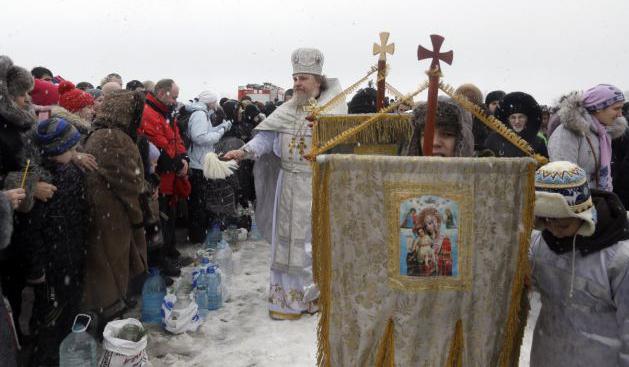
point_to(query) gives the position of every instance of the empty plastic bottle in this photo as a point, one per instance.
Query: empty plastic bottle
(213, 237)
(78, 349)
(254, 233)
(214, 289)
(223, 258)
(153, 293)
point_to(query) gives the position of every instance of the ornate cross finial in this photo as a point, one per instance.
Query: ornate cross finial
(383, 49)
(312, 108)
(436, 55)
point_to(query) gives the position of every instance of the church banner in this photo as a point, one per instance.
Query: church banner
(421, 261)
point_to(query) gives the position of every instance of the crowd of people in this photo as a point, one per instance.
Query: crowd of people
(95, 179)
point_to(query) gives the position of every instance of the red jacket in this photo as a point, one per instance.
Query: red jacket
(160, 127)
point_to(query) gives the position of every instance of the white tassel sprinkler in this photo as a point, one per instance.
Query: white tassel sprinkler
(215, 169)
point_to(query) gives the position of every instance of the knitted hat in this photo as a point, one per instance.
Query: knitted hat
(44, 93)
(562, 191)
(19, 81)
(73, 99)
(602, 96)
(56, 136)
(95, 93)
(307, 61)
(496, 95)
(207, 97)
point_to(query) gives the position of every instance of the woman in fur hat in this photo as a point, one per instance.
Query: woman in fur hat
(520, 112)
(579, 258)
(589, 121)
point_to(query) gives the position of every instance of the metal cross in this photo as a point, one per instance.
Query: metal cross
(436, 55)
(312, 108)
(383, 49)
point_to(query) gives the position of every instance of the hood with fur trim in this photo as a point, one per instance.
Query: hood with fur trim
(121, 109)
(573, 115)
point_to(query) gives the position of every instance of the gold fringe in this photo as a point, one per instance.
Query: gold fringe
(345, 135)
(492, 122)
(322, 257)
(455, 356)
(386, 353)
(392, 129)
(517, 316)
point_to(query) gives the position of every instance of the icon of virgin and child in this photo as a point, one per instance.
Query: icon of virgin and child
(429, 248)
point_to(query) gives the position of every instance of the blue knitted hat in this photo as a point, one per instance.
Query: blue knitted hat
(56, 136)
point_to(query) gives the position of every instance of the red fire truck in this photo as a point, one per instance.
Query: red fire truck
(266, 92)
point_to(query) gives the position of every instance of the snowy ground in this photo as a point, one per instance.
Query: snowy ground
(241, 334)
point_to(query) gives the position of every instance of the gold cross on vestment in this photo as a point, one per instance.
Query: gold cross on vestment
(383, 49)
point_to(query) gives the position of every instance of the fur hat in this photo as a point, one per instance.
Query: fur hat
(253, 115)
(19, 81)
(471, 92)
(307, 61)
(56, 136)
(496, 95)
(562, 191)
(44, 93)
(364, 101)
(519, 102)
(230, 108)
(73, 99)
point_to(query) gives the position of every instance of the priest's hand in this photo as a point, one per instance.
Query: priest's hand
(237, 155)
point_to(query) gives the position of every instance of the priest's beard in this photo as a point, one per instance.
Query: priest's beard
(299, 99)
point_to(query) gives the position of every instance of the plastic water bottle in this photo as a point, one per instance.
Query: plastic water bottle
(78, 349)
(254, 233)
(223, 258)
(153, 293)
(201, 293)
(213, 237)
(214, 290)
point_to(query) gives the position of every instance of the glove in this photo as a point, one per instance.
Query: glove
(227, 125)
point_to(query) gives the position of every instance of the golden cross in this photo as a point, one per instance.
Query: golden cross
(312, 108)
(383, 49)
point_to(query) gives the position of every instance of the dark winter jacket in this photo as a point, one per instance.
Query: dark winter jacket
(620, 167)
(55, 239)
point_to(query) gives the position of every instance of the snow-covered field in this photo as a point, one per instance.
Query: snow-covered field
(241, 334)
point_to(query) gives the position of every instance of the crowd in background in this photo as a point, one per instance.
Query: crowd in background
(96, 179)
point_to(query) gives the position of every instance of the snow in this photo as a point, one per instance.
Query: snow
(241, 333)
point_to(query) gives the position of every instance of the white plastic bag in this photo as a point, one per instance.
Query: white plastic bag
(120, 352)
(179, 321)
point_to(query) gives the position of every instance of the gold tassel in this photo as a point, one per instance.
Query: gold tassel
(322, 257)
(386, 353)
(345, 135)
(392, 129)
(517, 316)
(455, 356)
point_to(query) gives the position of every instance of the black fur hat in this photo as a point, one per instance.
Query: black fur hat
(519, 102)
(496, 95)
(231, 109)
(364, 101)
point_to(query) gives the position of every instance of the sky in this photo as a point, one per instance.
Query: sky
(545, 48)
